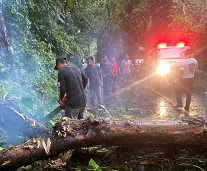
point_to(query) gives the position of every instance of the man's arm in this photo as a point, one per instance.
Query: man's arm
(61, 85)
(102, 68)
(101, 77)
(196, 65)
(87, 76)
(84, 80)
(121, 68)
(181, 70)
(111, 69)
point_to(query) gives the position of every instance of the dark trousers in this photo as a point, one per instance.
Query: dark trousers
(114, 82)
(184, 85)
(106, 80)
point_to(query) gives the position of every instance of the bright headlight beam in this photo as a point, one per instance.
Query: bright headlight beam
(163, 69)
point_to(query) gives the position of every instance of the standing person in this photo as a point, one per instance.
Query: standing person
(126, 67)
(93, 73)
(106, 74)
(71, 82)
(113, 69)
(185, 79)
(83, 63)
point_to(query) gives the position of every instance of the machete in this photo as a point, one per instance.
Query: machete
(51, 115)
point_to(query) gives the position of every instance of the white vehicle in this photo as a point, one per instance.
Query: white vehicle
(138, 62)
(164, 61)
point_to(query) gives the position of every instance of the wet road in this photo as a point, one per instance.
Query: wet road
(141, 100)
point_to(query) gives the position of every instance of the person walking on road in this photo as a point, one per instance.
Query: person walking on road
(71, 82)
(185, 79)
(105, 69)
(93, 73)
(113, 69)
(126, 67)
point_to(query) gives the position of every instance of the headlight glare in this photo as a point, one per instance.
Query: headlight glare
(163, 69)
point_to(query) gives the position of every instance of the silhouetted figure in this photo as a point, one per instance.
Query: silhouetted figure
(185, 79)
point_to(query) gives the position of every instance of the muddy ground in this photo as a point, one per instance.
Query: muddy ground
(142, 99)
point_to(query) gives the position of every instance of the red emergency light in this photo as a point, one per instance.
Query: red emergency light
(162, 45)
(180, 44)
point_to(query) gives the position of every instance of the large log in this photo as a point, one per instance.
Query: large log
(13, 122)
(70, 134)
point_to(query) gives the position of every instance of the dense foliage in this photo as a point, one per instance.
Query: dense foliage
(39, 31)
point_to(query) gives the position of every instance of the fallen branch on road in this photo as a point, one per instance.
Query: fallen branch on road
(70, 134)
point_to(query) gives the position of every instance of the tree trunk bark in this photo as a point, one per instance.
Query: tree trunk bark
(69, 134)
(6, 51)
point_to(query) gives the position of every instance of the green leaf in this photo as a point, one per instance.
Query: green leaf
(94, 166)
(70, 3)
(51, 5)
(2, 143)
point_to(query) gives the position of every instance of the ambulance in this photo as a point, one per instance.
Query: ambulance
(164, 61)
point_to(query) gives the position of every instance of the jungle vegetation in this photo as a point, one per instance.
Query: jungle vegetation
(35, 32)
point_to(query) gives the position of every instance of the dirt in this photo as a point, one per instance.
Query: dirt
(126, 158)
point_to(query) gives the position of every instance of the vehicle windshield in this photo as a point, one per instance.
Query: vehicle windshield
(171, 52)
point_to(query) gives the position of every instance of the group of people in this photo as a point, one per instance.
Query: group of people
(110, 70)
(72, 82)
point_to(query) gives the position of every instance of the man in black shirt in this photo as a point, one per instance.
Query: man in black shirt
(93, 73)
(105, 69)
(71, 82)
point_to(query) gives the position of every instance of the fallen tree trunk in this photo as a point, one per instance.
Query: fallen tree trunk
(70, 134)
(13, 122)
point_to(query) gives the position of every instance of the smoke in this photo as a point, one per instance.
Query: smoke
(27, 79)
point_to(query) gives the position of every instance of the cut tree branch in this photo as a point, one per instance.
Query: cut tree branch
(69, 134)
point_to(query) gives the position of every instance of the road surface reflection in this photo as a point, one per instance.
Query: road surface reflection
(140, 100)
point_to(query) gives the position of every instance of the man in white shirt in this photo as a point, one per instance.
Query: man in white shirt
(186, 79)
(126, 67)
